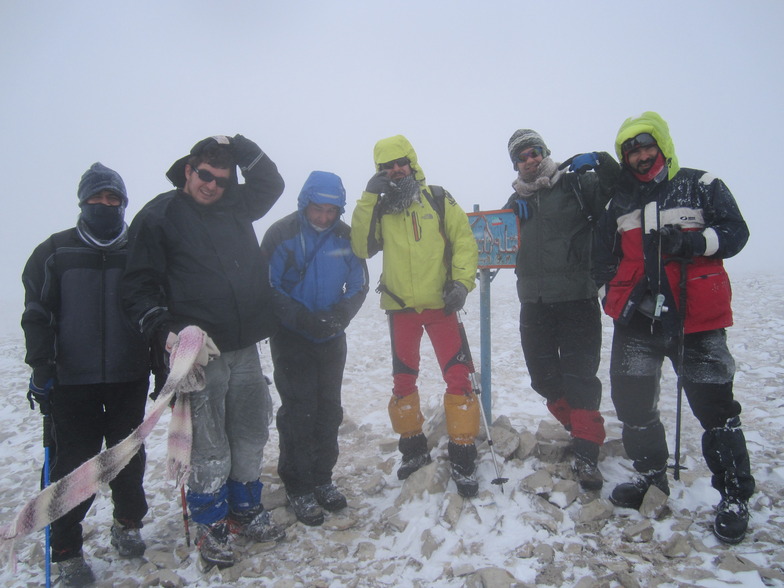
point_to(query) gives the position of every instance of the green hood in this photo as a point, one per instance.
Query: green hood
(649, 122)
(395, 148)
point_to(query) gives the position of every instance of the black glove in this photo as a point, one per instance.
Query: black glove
(679, 243)
(315, 324)
(40, 388)
(608, 169)
(454, 296)
(379, 184)
(246, 152)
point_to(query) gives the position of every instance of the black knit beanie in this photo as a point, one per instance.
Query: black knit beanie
(97, 178)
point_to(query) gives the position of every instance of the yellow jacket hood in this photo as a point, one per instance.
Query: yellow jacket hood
(649, 122)
(395, 148)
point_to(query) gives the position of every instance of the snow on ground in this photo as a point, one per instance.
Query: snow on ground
(392, 535)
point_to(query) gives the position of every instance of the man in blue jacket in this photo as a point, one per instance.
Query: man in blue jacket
(318, 286)
(193, 260)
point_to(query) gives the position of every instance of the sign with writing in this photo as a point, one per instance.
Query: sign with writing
(497, 236)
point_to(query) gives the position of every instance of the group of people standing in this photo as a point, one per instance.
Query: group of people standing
(104, 303)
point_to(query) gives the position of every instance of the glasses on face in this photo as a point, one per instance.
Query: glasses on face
(207, 177)
(401, 162)
(641, 140)
(533, 152)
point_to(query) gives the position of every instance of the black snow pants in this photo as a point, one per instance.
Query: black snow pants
(562, 347)
(308, 377)
(83, 417)
(638, 352)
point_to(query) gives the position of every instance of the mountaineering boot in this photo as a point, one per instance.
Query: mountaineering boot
(212, 541)
(415, 455)
(329, 497)
(732, 520)
(256, 524)
(463, 459)
(127, 539)
(307, 509)
(585, 464)
(631, 494)
(75, 572)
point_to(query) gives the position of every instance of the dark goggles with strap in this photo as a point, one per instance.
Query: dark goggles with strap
(641, 140)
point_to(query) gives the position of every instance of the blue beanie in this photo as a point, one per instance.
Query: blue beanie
(97, 178)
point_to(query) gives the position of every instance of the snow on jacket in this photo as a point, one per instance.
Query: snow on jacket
(628, 258)
(73, 317)
(200, 265)
(314, 269)
(554, 259)
(413, 267)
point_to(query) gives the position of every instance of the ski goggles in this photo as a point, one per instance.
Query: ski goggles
(533, 152)
(207, 177)
(400, 162)
(641, 140)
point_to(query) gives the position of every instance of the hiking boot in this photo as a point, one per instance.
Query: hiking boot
(212, 541)
(732, 520)
(467, 486)
(329, 497)
(75, 572)
(307, 509)
(587, 474)
(631, 494)
(412, 464)
(127, 540)
(256, 524)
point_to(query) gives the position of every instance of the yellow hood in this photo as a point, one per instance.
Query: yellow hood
(649, 122)
(395, 148)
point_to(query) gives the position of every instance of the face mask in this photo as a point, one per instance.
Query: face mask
(104, 222)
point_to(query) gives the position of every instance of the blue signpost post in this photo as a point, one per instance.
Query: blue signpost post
(498, 239)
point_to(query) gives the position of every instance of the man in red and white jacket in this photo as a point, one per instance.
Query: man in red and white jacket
(668, 228)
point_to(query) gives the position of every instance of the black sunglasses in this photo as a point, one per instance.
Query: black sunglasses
(641, 140)
(401, 162)
(534, 152)
(207, 177)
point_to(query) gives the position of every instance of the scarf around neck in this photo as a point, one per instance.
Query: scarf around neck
(546, 177)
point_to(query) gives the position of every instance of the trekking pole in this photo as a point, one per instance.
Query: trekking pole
(477, 389)
(681, 342)
(185, 515)
(47, 441)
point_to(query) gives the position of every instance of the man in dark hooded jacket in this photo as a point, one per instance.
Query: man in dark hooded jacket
(560, 318)
(90, 366)
(194, 260)
(660, 251)
(318, 286)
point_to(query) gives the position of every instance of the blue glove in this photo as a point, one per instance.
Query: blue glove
(40, 388)
(581, 163)
(521, 209)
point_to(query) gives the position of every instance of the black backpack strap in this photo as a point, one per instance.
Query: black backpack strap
(436, 197)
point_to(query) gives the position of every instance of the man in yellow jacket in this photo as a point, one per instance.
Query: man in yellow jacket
(429, 266)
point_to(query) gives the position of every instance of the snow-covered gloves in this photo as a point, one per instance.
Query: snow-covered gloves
(379, 184)
(679, 243)
(246, 153)
(42, 382)
(454, 296)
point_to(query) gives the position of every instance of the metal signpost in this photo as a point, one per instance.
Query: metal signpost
(497, 236)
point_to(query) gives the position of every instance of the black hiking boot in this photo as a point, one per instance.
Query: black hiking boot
(127, 540)
(732, 520)
(631, 494)
(256, 524)
(585, 464)
(212, 541)
(329, 497)
(463, 458)
(75, 572)
(307, 509)
(415, 455)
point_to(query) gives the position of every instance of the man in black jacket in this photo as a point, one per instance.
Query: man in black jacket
(194, 260)
(90, 366)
